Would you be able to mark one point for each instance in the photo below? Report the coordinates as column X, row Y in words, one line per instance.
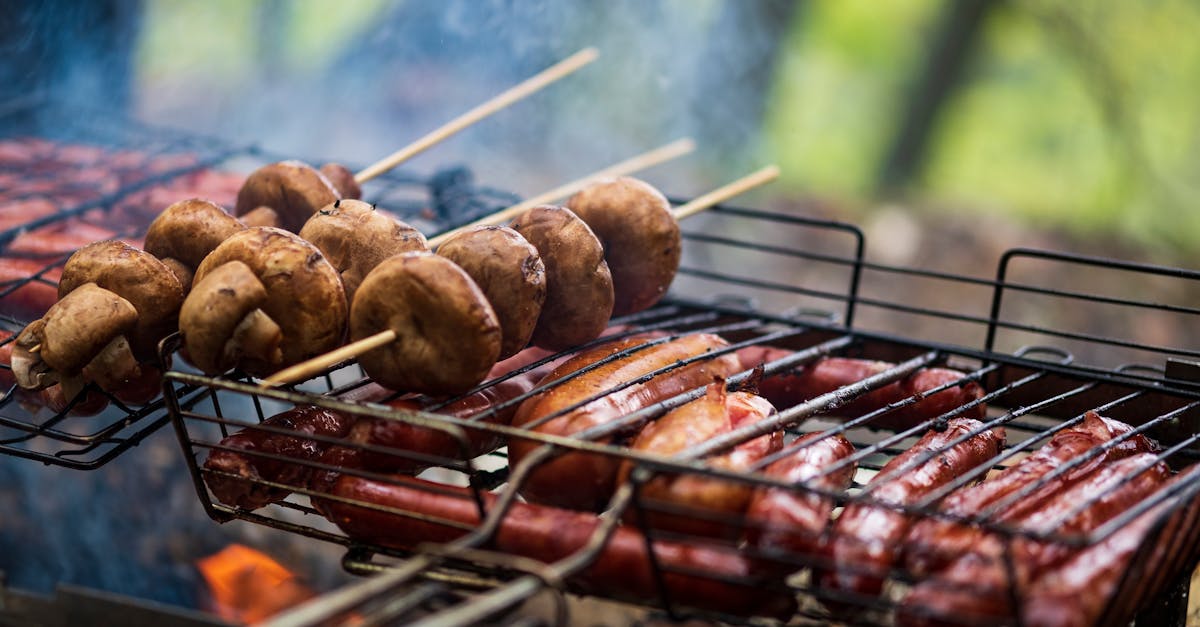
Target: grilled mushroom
column 640, row 236
column 186, row 232
column 303, row 314
column 579, row 287
column 295, row 190
column 343, row 180
column 356, row 237
column 511, row 274
column 447, row 336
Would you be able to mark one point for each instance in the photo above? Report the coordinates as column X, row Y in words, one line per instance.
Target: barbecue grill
column 755, row 277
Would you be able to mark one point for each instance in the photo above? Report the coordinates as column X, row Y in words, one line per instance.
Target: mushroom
column 185, row 232
column 343, row 180
column 579, row 287
column 74, row 331
column 511, row 274
column 136, row 276
column 355, row 237
column 640, row 235
column 295, row 190
column 280, row 303
column 447, row 335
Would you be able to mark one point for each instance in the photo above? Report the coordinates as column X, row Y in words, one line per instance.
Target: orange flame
column 248, row 586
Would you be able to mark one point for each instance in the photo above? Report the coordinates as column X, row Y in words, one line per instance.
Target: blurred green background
column 1068, row 117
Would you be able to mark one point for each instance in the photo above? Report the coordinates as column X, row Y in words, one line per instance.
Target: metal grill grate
column 828, row 298
column 67, row 175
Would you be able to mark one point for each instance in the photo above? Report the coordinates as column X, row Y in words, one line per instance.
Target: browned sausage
column 710, row 504
column 546, row 534
column 977, row 587
column 791, row 521
column 826, row 375
column 585, row 481
column 1077, row 592
column 245, row 489
column 866, row 540
column 934, row 542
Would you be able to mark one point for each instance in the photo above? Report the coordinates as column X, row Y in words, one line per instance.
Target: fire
column 247, row 586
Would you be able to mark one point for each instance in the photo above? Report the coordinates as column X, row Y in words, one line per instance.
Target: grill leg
column 1170, row 607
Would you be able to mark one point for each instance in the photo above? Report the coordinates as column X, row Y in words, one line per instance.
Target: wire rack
column 459, row 546
column 68, row 175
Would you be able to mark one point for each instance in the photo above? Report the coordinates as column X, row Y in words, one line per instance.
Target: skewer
column 529, row 86
column 308, row 369
column 662, row 154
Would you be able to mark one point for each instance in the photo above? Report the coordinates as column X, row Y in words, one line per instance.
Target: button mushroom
column 447, row 335
column 355, row 237
column 343, row 180
column 579, row 286
column 511, row 274
column 274, row 300
column 295, row 190
column 186, row 232
column 138, row 277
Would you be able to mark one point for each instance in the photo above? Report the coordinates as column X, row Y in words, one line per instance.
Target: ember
column 248, row 586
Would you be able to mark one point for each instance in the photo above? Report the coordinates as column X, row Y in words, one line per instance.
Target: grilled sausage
column 826, row 375
column 1078, row 592
column 934, row 542
column 249, row 468
column 865, row 541
column 585, row 481
column 709, row 504
column 790, row 522
column 691, row 573
column 978, row 588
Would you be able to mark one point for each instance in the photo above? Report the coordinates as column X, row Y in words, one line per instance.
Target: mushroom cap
column 640, row 236
column 304, row 295
column 190, row 229
column 355, row 237
column 448, row 337
column 295, row 190
column 343, row 180
column 579, row 287
column 511, row 274
column 138, row 277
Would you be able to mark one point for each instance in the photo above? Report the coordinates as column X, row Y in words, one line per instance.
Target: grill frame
column 1060, row 381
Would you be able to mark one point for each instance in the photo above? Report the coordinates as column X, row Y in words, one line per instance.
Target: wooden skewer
column 725, row 192
column 662, row 154
column 529, row 86
column 308, row 369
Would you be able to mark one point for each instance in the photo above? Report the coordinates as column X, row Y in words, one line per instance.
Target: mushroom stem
column 256, row 339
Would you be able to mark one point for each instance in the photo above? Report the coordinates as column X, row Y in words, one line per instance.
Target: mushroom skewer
column 296, row 191
column 384, row 338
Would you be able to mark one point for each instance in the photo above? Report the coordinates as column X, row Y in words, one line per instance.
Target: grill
column 757, row 278
column 468, row 561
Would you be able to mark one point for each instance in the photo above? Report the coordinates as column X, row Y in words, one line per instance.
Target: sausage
column 585, row 481
column 934, row 542
column 690, row 572
column 57, row 239
column 865, row 541
column 977, row 586
column 830, row 373
column 246, row 489
column 1077, row 592
column 790, row 522
column 709, row 504
column 28, row 287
